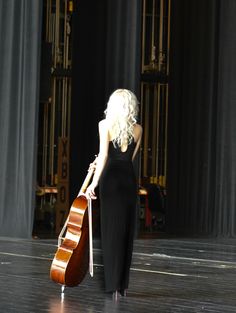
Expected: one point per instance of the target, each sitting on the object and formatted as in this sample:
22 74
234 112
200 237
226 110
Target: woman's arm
138 136
101 159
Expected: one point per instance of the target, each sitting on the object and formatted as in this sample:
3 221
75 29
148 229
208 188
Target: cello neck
87 180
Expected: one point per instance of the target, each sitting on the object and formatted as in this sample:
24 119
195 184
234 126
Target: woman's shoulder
138 128
103 127
103 123
137 132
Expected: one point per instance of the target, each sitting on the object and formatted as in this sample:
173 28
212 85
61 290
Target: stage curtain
20 37
201 183
123 45
106 56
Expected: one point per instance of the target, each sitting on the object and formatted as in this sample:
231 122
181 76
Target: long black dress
118 194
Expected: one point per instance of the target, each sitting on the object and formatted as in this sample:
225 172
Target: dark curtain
123 45
224 221
202 118
106 45
20 37
88 85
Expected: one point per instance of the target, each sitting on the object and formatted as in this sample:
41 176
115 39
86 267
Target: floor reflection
65 305
57 305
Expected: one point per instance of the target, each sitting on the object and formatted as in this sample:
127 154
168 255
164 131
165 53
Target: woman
120 138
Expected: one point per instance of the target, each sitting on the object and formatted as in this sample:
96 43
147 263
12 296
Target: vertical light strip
166 134
52 133
142 143
160 55
154 129
168 38
158 130
57 32
143 35
146 130
153 47
45 144
69 109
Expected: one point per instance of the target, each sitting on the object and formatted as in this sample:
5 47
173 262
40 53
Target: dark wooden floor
168 275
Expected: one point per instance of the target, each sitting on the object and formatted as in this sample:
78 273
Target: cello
72 258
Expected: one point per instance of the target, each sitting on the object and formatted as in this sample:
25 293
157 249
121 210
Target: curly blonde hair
122 112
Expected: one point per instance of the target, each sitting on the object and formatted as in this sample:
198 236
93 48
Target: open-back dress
118 194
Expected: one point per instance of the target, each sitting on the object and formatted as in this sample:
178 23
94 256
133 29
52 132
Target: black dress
118 194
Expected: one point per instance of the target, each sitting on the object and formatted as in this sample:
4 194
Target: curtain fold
20 38
123 44
202 119
225 197
106 45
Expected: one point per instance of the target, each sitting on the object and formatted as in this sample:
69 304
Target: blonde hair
122 112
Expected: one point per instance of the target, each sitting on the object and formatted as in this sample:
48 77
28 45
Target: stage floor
167 275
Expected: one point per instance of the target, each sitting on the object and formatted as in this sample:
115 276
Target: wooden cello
71 261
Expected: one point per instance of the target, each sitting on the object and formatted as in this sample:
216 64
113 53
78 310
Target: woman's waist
119 159
119 163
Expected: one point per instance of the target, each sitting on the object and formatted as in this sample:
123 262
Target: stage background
106 56
202 119
20 40
201 188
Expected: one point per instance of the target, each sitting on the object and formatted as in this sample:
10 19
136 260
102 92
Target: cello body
71 260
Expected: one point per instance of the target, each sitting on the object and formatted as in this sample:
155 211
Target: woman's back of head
121 113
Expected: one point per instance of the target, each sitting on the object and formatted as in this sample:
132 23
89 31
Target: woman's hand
90 192
92 166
